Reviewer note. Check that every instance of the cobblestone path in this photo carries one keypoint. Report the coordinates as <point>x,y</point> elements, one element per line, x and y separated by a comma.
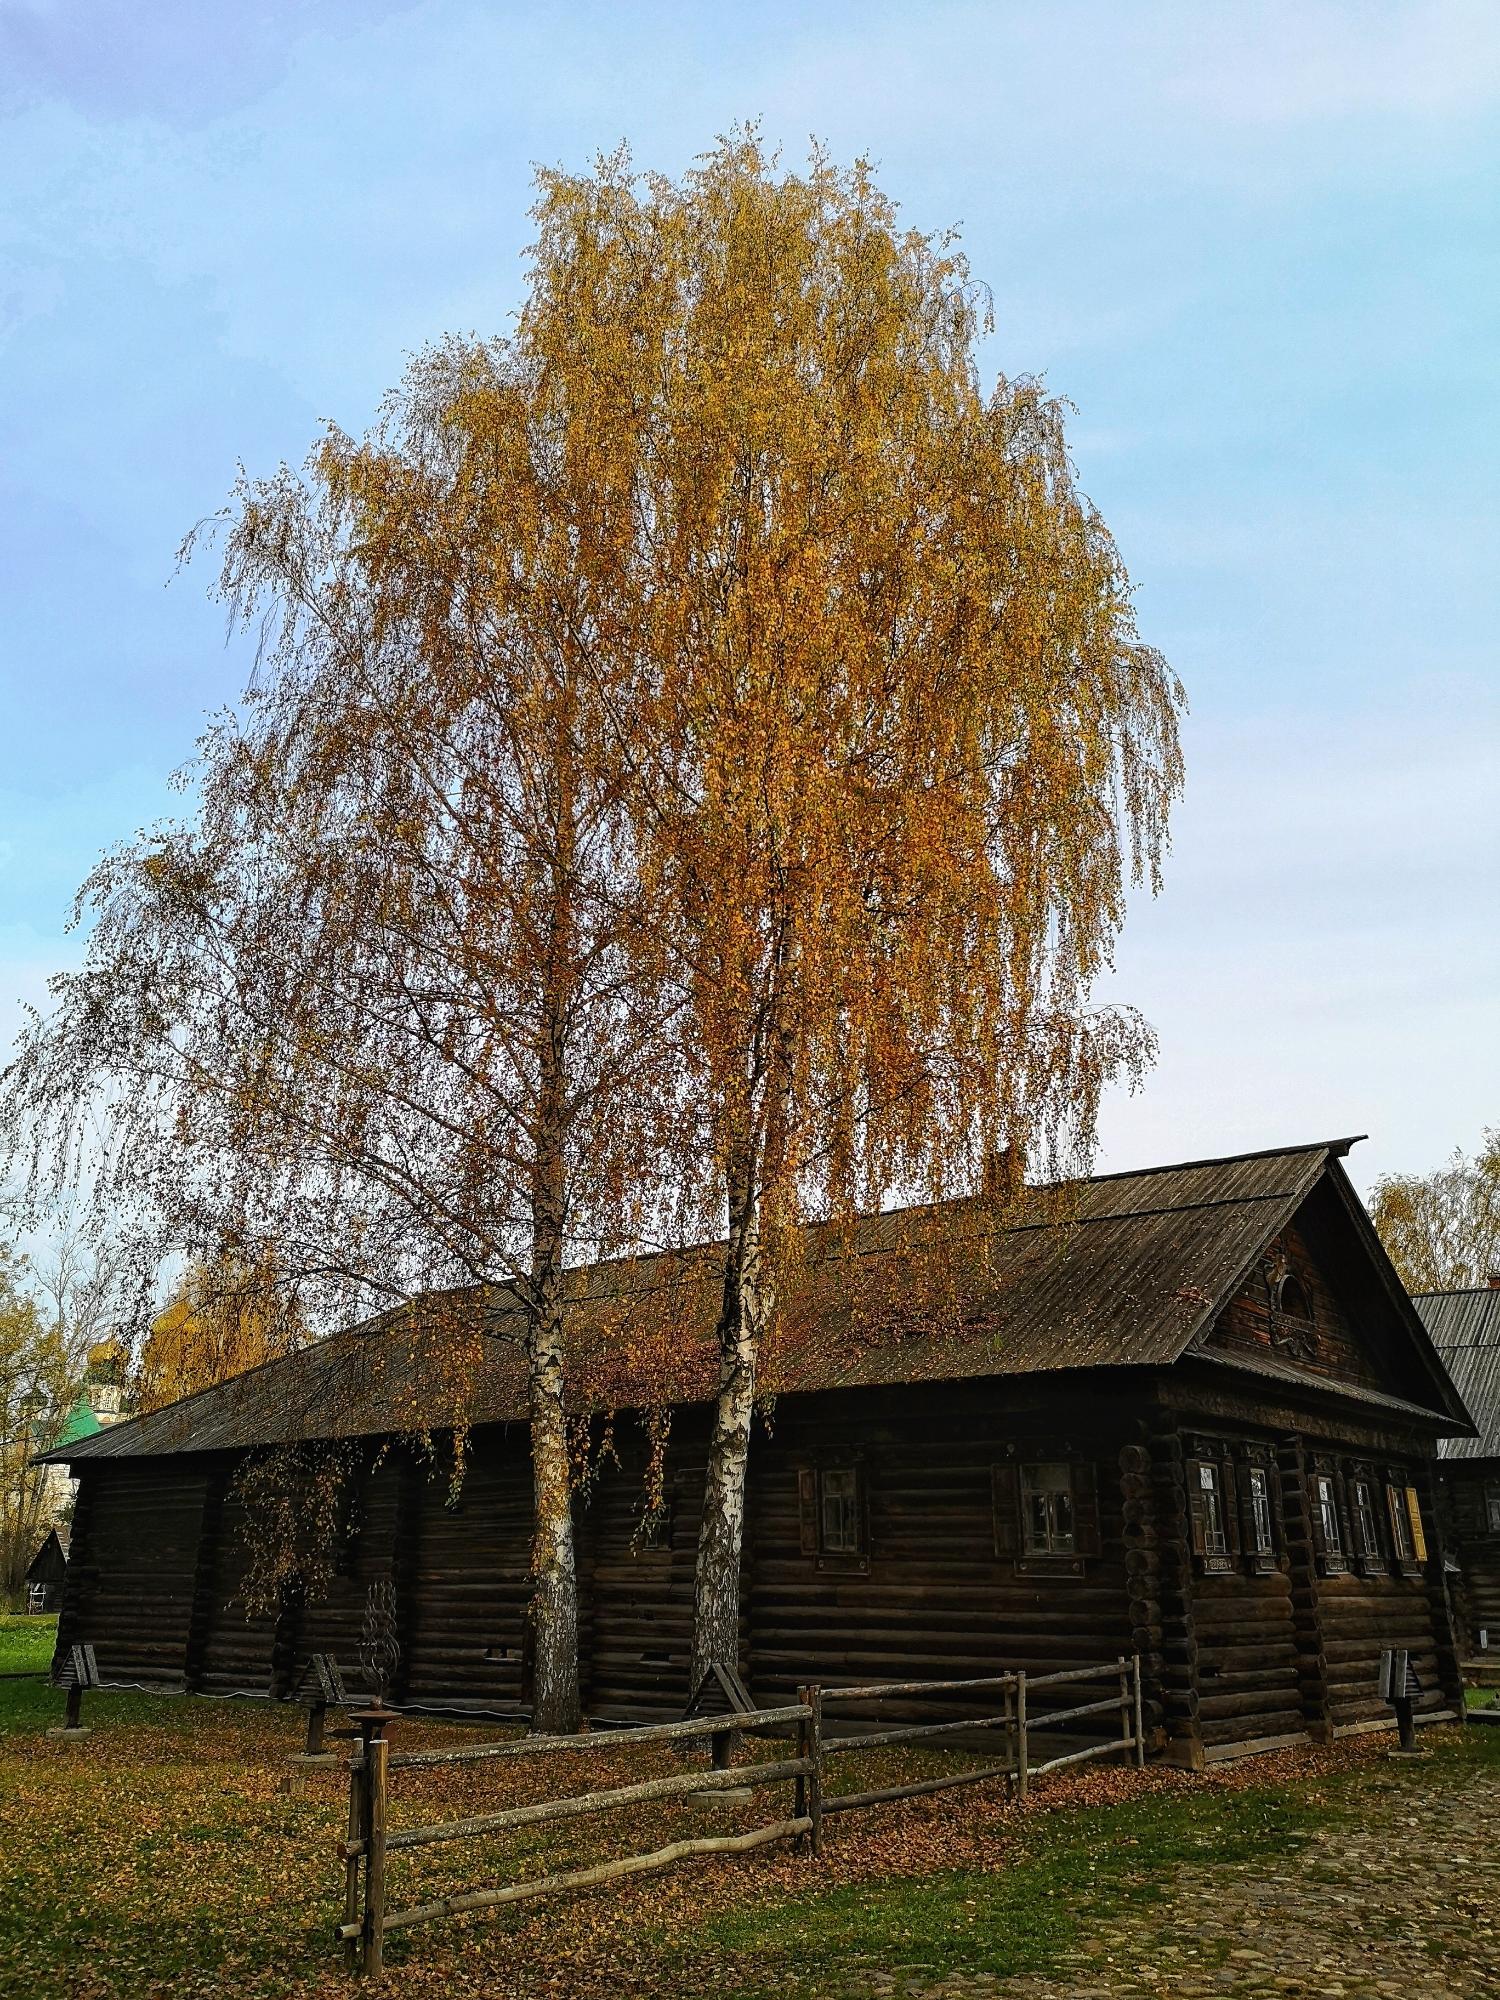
<point>1401,1899</point>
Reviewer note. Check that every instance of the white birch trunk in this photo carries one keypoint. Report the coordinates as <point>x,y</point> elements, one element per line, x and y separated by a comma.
<point>748,1304</point>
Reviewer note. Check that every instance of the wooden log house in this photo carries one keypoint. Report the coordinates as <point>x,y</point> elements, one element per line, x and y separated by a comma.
<point>1465,1329</point>
<point>1188,1413</point>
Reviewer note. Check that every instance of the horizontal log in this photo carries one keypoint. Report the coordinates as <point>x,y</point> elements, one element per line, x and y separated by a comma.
<point>1071,1674</point>
<point>1041,1719</point>
<point>1113,1747</point>
<point>596,1740</point>
<point>880,1690</point>
<point>851,1801</point>
<point>548,1810</point>
<point>586,1878</point>
<point>909,1733</point>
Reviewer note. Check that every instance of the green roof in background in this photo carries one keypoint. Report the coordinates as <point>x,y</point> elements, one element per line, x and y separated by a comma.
<point>82,1423</point>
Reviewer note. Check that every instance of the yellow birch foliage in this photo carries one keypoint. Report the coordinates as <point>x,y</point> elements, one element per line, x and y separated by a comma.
<point>225,1316</point>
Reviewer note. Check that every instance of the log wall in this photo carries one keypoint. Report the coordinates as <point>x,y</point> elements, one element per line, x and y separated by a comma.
<point>1230,1656</point>
<point>933,1598</point>
<point>1464,1487</point>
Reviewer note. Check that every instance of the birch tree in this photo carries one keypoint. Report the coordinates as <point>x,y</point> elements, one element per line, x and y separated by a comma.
<point>1443,1229</point>
<point>368,1019</point>
<point>906,749</point>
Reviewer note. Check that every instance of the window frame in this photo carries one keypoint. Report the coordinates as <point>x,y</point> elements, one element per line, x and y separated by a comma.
<point>1262,1556</point>
<point>1492,1507</point>
<point>1323,1487</point>
<point>1364,1521</point>
<point>1008,1513</point>
<point>1408,1537</point>
<point>812,1517</point>
<point>1210,1477</point>
<point>1033,1488</point>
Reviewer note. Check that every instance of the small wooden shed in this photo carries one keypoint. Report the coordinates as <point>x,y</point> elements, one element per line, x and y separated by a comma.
<point>47,1573</point>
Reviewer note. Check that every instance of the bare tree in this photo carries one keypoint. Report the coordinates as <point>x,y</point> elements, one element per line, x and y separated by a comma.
<point>1443,1229</point>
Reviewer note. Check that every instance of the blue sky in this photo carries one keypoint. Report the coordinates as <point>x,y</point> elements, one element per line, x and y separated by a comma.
<point>1255,244</point>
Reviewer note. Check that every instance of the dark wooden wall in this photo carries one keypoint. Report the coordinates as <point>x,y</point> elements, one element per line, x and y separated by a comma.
<point>935,1599</point>
<point>1248,1324</point>
<point>1463,1486</point>
<point>159,1548</point>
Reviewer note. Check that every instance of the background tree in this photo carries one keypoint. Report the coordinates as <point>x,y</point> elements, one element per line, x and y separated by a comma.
<point>36,1392</point>
<point>903,745</point>
<point>1442,1230</point>
<point>57,1320</point>
<point>222,1318</point>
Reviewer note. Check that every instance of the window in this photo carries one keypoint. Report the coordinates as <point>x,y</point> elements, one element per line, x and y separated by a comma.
<point>1402,1544</point>
<point>1047,1516</point>
<point>654,1532</point>
<point>1258,1485</point>
<point>1046,1511</point>
<point>1325,1501</point>
<point>1292,1298</point>
<point>1206,1506</point>
<point>831,1504</point>
<point>1492,1509</point>
<point>1366,1533</point>
<point>839,1524</point>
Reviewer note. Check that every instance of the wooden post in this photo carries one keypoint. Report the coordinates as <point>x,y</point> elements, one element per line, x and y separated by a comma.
<point>721,1744</point>
<point>75,1706</point>
<point>316,1712</point>
<point>1143,1575</point>
<point>814,1697</point>
<point>356,1826</point>
<point>1307,1622</point>
<point>804,1749</point>
<point>1023,1748</point>
<point>1178,1673</point>
<point>1140,1720</point>
<point>376,1761</point>
<point>1127,1729</point>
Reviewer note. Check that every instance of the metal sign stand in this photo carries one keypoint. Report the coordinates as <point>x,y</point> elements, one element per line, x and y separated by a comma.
<point>1400,1687</point>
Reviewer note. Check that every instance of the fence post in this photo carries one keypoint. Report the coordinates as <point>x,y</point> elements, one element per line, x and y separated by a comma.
<point>376,1761</point>
<point>1023,1748</point>
<point>356,1823</point>
<point>1140,1722</point>
<point>815,1776</point>
<point>1127,1720</point>
<point>804,1749</point>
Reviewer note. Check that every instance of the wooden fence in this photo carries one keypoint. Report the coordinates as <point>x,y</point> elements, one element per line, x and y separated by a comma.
<point>369,1841</point>
<point>1017,1719</point>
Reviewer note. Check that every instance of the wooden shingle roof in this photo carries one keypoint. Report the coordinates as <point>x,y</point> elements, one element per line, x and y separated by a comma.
<point>1465,1330</point>
<point>1121,1270</point>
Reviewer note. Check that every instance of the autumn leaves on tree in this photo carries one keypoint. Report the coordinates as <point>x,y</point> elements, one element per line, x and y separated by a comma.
<point>699,752</point>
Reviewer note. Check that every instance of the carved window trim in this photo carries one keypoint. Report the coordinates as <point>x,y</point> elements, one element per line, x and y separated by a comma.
<point>1327,1517</point>
<point>1259,1536</point>
<point>1292,1310</point>
<point>813,1495</point>
<point>1010,1480</point>
<point>1367,1546</point>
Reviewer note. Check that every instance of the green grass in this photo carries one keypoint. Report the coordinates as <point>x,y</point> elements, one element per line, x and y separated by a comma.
<point>26,1644</point>
<point>26,1648</point>
<point>1075,1866</point>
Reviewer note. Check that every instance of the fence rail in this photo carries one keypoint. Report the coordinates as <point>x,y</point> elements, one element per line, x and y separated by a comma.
<point>369,1841</point>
